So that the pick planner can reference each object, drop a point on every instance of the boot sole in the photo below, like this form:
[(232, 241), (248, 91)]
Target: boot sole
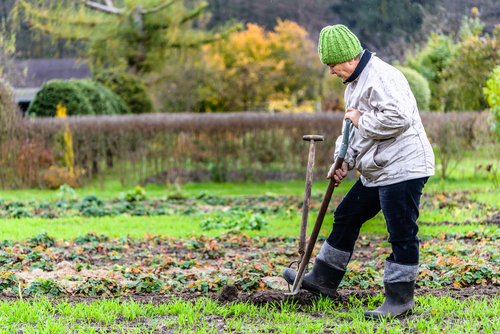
[(380, 317)]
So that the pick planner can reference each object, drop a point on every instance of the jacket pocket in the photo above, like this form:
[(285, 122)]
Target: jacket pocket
[(383, 152)]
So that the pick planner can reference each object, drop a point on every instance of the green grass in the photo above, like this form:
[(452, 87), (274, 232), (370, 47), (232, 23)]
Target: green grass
[(113, 189), (207, 316), (182, 227)]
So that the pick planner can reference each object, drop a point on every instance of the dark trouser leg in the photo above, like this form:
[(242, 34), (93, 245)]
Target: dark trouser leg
[(400, 204), (360, 204)]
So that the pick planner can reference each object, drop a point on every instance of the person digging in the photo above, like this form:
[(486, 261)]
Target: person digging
[(389, 147)]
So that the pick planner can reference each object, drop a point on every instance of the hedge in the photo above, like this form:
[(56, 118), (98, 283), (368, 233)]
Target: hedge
[(137, 147)]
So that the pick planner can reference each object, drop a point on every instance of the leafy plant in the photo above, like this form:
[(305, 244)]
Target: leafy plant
[(91, 237), (66, 192), (148, 283), (234, 220), (8, 281), (43, 239), (98, 287), (135, 195), (45, 287)]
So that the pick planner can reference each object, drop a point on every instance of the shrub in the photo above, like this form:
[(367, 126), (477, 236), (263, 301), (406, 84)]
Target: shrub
[(492, 92), (430, 63), (60, 91), (56, 176), (8, 109), (419, 86), (103, 100), (131, 89), (468, 72)]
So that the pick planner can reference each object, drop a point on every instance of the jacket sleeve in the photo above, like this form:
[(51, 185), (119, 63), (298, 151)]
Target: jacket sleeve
[(349, 156), (392, 102)]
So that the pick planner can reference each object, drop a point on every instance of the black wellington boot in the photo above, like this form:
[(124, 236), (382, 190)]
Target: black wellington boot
[(322, 280), (398, 302)]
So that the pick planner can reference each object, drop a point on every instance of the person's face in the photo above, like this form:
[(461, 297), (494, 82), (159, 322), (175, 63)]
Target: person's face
[(343, 70)]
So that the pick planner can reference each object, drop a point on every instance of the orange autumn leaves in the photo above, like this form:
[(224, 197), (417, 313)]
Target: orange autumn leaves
[(254, 66)]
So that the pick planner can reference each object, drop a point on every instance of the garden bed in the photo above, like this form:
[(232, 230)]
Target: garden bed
[(95, 264)]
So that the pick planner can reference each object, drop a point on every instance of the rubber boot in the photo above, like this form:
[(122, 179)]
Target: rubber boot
[(327, 272), (398, 302)]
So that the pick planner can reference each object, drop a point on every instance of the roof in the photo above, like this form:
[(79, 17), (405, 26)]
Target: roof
[(42, 70), (25, 94)]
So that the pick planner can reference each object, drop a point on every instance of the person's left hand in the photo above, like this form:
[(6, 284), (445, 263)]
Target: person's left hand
[(353, 115)]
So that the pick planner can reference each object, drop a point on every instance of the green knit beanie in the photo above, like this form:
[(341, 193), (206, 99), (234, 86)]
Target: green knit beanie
[(337, 44)]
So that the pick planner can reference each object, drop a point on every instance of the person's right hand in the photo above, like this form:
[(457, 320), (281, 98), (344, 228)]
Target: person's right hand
[(339, 173)]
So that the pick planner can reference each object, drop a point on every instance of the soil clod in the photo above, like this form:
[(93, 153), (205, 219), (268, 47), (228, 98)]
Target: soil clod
[(228, 294), (278, 296)]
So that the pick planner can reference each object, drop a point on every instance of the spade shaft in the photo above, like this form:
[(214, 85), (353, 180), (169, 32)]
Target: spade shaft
[(307, 193), (322, 211)]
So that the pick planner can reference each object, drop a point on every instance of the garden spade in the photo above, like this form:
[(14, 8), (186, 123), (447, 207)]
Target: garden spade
[(321, 215), (307, 193)]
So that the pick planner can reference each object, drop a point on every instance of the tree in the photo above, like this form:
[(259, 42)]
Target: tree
[(430, 62), (253, 66), (466, 75), (135, 34)]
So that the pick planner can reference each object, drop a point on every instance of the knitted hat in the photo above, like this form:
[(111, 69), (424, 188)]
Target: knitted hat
[(337, 44)]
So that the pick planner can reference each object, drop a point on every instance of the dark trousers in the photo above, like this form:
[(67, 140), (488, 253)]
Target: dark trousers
[(399, 203)]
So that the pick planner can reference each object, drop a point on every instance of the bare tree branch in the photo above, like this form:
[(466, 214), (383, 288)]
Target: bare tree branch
[(105, 8), (152, 10)]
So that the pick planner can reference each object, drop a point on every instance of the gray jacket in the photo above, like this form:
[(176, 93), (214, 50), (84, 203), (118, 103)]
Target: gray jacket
[(390, 144)]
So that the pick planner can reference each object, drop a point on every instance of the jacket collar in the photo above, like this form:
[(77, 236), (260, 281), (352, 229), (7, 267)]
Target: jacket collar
[(367, 55)]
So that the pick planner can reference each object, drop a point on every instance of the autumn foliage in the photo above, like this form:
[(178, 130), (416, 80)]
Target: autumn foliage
[(254, 66)]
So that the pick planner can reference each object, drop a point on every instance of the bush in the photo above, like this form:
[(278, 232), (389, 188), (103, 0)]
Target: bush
[(131, 89), (468, 72), (103, 100), (8, 108), (419, 86), (430, 63), (55, 177), (492, 92), (60, 91)]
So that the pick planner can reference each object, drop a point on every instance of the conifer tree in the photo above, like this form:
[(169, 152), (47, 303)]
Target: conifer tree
[(132, 34)]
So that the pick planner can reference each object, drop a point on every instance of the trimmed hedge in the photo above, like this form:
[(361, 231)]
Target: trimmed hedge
[(419, 86), (103, 100), (79, 96), (130, 88), (58, 91)]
